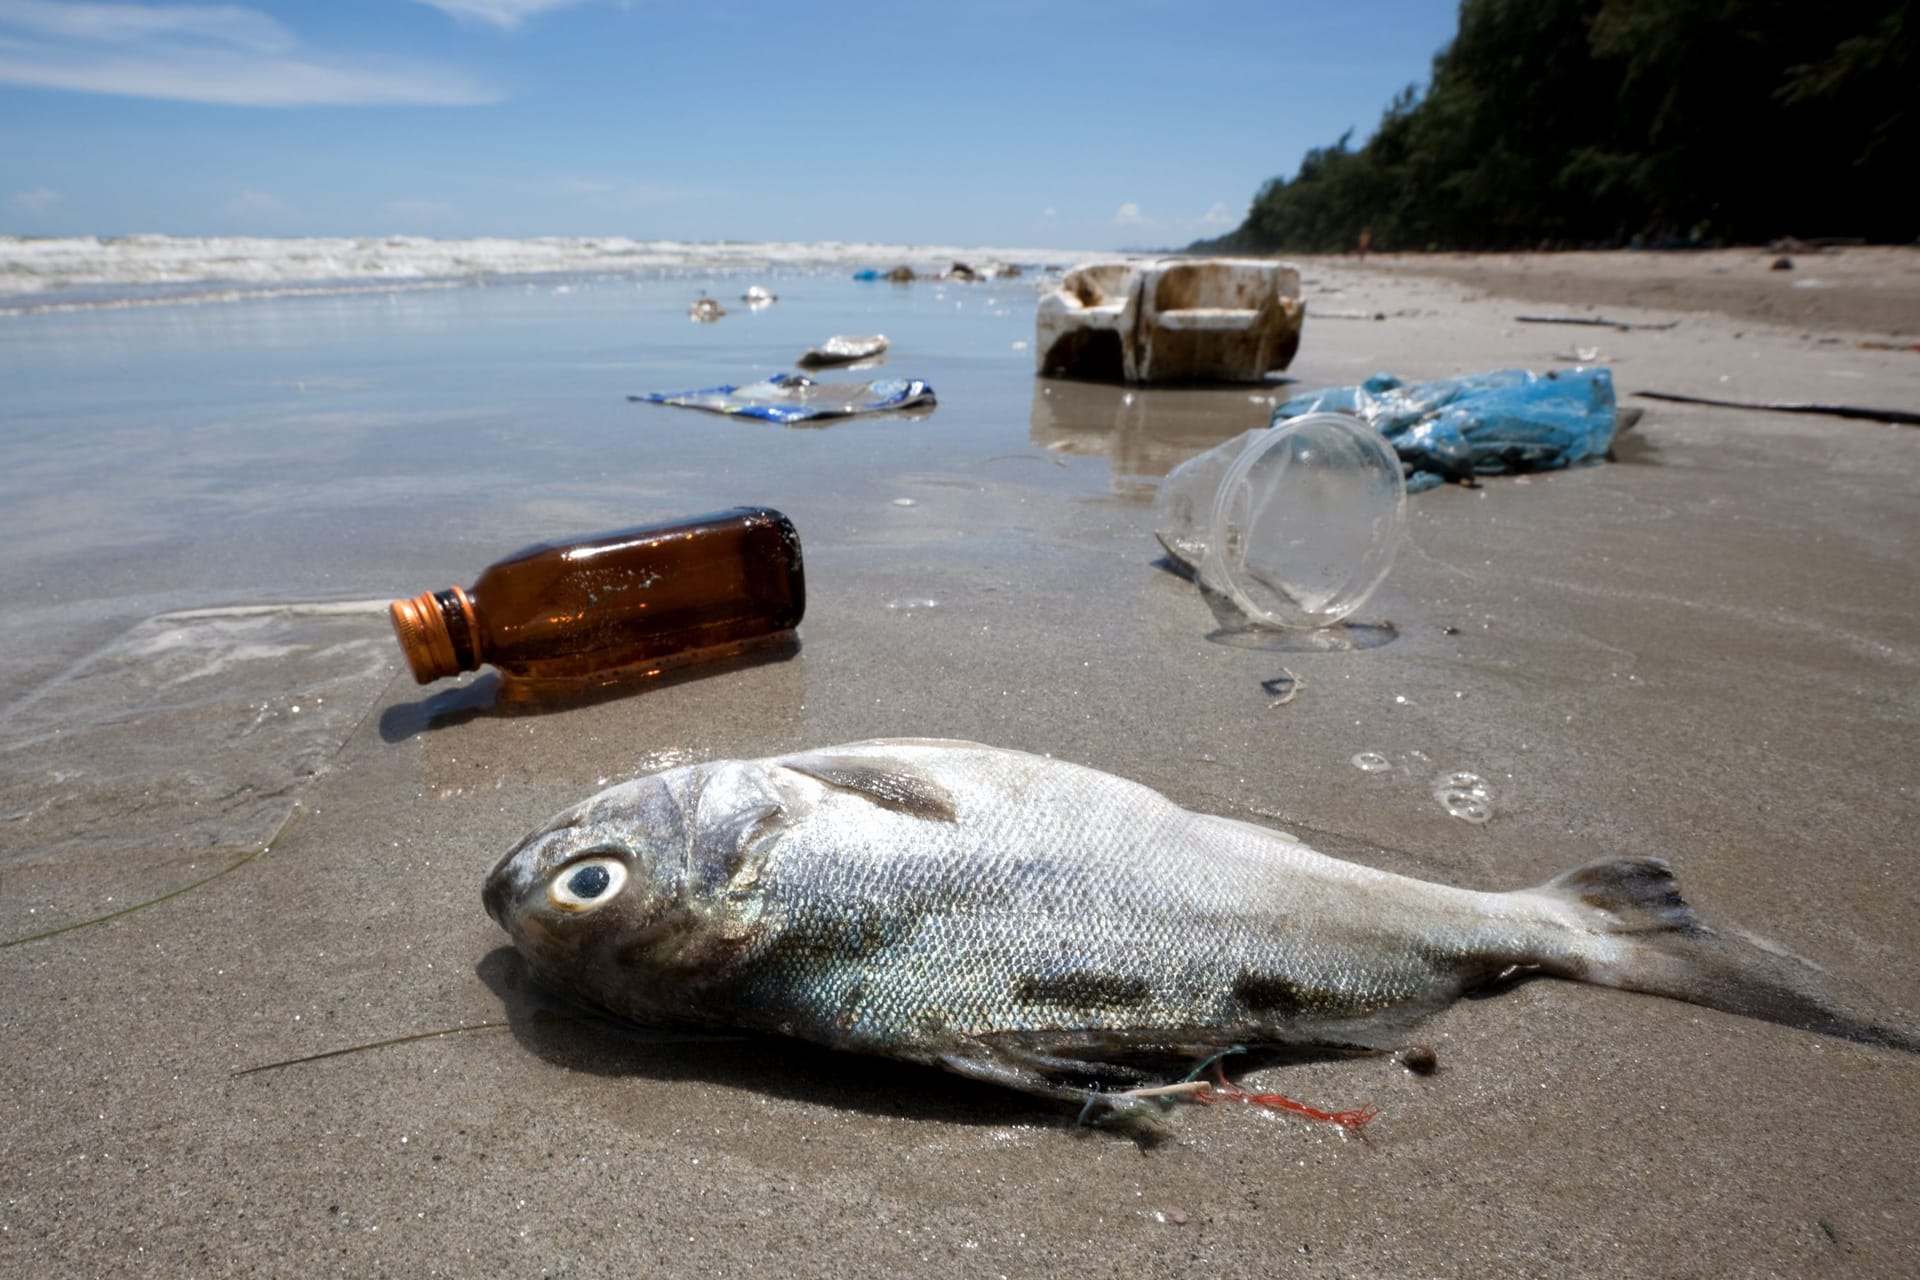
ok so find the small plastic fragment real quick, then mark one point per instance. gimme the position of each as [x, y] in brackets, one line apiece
[843, 349]
[790, 398]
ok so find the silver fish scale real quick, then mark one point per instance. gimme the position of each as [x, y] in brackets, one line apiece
[1063, 900]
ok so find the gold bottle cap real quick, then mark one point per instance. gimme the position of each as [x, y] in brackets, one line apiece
[424, 638]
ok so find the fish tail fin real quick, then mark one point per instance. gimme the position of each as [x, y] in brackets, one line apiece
[1653, 942]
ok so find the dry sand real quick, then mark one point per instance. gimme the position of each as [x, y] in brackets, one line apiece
[1705, 650]
[1855, 289]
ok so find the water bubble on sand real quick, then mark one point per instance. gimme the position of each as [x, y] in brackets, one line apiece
[1371, 762]
[1464, 805]
[1465, 795]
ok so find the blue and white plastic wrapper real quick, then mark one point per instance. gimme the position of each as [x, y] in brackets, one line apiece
[1480, 424]
[790, 398]
[1296, 523]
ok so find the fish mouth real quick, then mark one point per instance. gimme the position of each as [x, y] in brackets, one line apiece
[494, 897]
[497, 894]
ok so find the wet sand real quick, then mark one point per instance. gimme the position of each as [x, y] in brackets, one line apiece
[1705, 650]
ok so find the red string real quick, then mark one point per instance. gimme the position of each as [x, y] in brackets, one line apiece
[1354, 1121]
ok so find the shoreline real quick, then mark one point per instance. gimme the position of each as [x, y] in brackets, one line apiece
[31, 268]
[1865, 290]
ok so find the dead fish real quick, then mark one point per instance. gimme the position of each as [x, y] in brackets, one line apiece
[1049, 927]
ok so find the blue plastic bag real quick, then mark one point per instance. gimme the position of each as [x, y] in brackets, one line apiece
[793, 397]
[1479, 424]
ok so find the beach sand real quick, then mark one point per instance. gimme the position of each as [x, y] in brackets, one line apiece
[1704, 650]
[1832, 289]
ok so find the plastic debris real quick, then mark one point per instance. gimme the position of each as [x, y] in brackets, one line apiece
[841, 349]
[1904, 416]
[958, 273]
[789, 398]
[1180, 319]
[1294, 524]
[1480, 424]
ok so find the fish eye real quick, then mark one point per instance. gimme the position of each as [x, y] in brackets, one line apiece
[589, 883]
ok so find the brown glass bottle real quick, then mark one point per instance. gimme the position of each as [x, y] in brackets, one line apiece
[614, 603]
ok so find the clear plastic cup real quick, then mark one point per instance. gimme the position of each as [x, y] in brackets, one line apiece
[1296, 523]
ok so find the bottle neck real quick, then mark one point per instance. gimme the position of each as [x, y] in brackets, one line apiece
[439, 632]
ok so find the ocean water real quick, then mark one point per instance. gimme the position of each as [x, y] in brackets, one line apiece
[207, 501]
[192, 454]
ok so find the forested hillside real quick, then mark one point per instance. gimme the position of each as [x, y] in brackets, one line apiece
[1606, 122]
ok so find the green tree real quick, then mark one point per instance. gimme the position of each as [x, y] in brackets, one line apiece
[1600, 121]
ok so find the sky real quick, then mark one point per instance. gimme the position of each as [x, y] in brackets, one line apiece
[1102, 124]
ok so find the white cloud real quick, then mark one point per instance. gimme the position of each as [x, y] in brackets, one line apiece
[227, 55]
[1129, 215]
[505, 14]
[1218, 215]
[246, 82]
[123, 23]
[38, 200]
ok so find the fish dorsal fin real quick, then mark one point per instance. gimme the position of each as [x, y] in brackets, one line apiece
[891, 784]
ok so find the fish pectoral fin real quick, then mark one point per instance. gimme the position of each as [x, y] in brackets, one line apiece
[890, 784]
[1008, 1070]
[1057, 1066]
[1101, 1088]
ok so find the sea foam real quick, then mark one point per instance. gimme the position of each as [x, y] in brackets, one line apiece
[89, 271]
